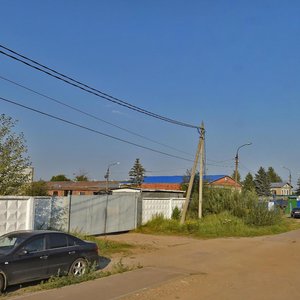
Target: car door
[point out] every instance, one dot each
(60, 254)
(29, 262)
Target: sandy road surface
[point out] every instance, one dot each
(232, 268)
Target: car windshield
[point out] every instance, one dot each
(9, 242)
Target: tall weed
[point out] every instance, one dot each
(242, 205)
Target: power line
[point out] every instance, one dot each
(245, 168)
(87, 88)
(88, 114)
(92, 130)
(220, 161)
(220, 166)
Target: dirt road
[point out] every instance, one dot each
(261, 268)
(232, 268)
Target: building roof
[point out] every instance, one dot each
(81, 185)
(180, 179)
(275, 185)
(164, 179)
(212, 178)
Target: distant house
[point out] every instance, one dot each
(175, 182)
(65, 188)
(222, 181)
(163, 182)
(281, 188)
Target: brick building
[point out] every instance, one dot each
(175, 182)
(64, 188)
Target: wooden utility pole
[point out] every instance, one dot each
(189, 191)
(202, 138)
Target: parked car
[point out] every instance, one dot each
(295, 213)
(34, 255)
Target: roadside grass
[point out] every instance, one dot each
(216, 226)
(61, 281)
(106, 247)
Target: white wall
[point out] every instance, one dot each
(16, 213)
(164, 206)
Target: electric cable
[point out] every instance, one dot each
(90, 115)
(87, 88)
(91, 130)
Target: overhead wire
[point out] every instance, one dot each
(91, 130)
(90, 115)
(246, 168)
(87, 88)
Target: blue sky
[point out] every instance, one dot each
(232, 64)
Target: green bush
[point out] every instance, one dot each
(217, 225)
(176, 214)
(242, 205)
(260, 215)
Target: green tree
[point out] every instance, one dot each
(249, 184)
(262, 183)
(137, 173)
(81, 176)
(273, 176)
(38, 188)
(298, 188)
(59, 177)
(13, 158)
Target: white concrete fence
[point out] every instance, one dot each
(93, 215)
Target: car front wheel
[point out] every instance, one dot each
(2, 285)
(78, 267)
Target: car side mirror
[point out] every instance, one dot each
(23, 252)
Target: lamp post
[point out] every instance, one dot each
(106, 176)
(290, 175)
(237, 162)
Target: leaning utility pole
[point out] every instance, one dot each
(189, 191)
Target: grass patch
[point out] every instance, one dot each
(216, 226)
(106, 247)
(61, 281)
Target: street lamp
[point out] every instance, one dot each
(290, 175)
(237, 162)
(106, 176)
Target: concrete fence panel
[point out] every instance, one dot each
(16, 213)
(163, 206)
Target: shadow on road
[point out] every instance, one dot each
(104, 262)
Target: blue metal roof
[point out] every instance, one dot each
(163, 179)
(179, 179)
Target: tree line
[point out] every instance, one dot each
(261, 181)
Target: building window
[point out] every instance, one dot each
(67, 193)
(81, 193)
(55, 193)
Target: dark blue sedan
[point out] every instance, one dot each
(34, 255)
